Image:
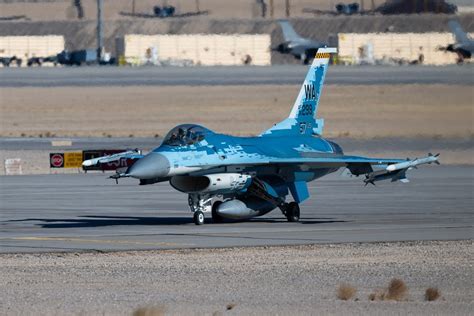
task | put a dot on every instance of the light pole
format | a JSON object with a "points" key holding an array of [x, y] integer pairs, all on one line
{"points": [[100, 30]]}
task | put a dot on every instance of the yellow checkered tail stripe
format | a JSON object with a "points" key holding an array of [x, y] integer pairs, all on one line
{"points": [[323, 55]]}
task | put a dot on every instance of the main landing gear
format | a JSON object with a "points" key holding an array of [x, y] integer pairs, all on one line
{"points": [[291, 211], [205, 203]]}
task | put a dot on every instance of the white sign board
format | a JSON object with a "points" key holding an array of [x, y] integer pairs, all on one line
{"points": [[13, 166]]}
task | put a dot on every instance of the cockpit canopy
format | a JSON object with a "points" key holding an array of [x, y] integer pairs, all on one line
{"points": [[185, 134]]}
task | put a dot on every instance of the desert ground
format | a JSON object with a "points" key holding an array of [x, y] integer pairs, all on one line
{"points": [[420, 112], [253, 281], [361, 112], [263, 280]]}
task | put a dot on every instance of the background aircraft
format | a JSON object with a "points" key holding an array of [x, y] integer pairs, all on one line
{"points": [[242, 177], [302, 48], [464, 46]]}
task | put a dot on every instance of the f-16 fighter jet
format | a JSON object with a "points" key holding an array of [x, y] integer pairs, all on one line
{"points": [[242, 177], [464, 46]]}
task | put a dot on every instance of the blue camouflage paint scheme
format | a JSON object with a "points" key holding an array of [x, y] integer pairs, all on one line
{"points": [[302, 119], [288, 155], [242, 177]]}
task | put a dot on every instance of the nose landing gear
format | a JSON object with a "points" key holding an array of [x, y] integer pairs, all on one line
{"points": [[199, 204]]}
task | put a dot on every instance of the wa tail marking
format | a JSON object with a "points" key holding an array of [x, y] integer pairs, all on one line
{"points": [[309, 92]]}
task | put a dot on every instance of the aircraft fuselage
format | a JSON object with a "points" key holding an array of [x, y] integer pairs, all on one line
{"points": [[224, 153]]}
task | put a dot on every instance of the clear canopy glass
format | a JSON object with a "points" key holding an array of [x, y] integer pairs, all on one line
{"points": [[185, 134]]}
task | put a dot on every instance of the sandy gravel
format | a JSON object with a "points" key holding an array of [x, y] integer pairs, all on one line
{"points": [[349, 111], [269, 280]]}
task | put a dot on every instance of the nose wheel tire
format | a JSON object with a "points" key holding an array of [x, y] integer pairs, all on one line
{"points": [[198, 218], [293, 212]]}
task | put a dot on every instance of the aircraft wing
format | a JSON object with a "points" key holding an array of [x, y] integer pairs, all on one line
{"points": [[338, 160], [324, 162], [393, 169], [355, 164]]}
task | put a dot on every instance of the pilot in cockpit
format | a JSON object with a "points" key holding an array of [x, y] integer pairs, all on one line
{"points": [[181, 134]]}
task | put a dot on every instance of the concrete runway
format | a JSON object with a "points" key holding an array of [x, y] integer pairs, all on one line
{"points": [[90, 212], [286, 74]]}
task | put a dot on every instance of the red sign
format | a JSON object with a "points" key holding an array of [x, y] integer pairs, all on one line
{"points": [[56, 160]]}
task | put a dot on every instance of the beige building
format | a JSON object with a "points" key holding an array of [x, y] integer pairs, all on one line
{"points": [[24, 47], [206, 50], [396, 47]]}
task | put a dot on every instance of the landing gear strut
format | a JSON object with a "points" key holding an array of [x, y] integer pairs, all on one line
{"points": [[291, 211], [199, 204]]}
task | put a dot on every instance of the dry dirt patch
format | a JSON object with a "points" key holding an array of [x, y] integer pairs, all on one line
{"points": [[264, 280], [354, 111]]}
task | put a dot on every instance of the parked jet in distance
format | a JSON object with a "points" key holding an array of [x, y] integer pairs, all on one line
{"points": [[464, 46], [302, 48], [243, 177]]}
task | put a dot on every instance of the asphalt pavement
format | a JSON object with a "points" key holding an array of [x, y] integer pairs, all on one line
{"points": [[237, 75], [91, 213]]}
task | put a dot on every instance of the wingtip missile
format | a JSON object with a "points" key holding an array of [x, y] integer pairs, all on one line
{"points": [[413, 163], [90, 162], [397, 172], [435, 156], [110, 158]]}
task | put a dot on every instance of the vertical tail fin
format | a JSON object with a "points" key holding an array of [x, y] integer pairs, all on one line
{"points": [[459, 34], [310, 91], [289, 33], [302, 118]]}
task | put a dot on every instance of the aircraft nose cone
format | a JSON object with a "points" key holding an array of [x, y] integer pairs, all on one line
{"points": [[153, 165]]}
